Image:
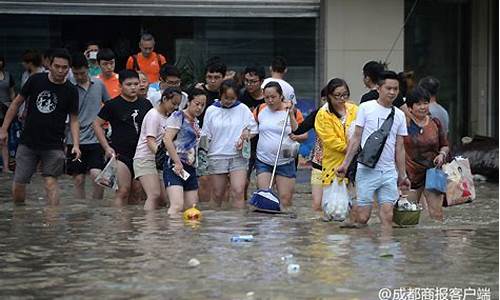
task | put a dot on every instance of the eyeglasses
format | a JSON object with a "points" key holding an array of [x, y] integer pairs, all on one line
{"points": [[341, 96], [173, 82], [252, 82]]}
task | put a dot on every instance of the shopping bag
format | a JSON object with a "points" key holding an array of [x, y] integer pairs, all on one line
{"points": [[460, 185], [107, 177], [435, 180], [335, 201]]}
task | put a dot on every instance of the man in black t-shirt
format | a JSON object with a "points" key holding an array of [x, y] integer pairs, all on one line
{"points": [[215, 72], [214, 76], [50, 98], [252, 96], [125, 114], [371, 74]]}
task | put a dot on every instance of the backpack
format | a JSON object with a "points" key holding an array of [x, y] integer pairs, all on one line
{"points": [[135, 62], [261, 107]]}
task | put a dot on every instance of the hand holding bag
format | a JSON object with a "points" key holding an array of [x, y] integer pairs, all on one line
{"points": [[335, 201], [374, 145], [460, 186], [435, 180], [108, 176]]}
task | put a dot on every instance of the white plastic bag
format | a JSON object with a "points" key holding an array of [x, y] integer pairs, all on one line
{"points": [[289, 148], [335, 201], [108, 177]]}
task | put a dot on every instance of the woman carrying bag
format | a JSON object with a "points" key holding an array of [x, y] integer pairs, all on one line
{"points": [[152, 131], [426, 148], [332, 125], [181, 139]]}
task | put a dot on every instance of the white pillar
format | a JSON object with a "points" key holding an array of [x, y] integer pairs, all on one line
{"points": [[357, 31]]}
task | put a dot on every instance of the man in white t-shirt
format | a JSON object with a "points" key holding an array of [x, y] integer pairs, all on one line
{"points": [[278, 70], [389, 172]]}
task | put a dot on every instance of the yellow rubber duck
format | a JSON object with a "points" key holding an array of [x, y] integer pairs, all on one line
{"points": [[192, 213]]}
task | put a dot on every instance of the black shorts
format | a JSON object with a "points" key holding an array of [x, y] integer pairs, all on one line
{"points": [[128, 159], [92, 158]]}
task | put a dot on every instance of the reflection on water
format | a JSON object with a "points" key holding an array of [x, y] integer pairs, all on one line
{"points": [[91, 250]]}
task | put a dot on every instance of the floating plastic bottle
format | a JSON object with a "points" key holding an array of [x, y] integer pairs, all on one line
{"points": [[293, 268], [242, 238], [288, 257]]}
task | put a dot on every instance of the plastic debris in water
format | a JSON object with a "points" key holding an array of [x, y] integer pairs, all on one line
{"points": [[293, 268], [287, 257], [386, 255], [193, 262], [192, 213], [242, 238]]}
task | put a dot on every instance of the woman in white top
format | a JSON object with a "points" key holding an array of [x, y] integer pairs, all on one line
{"points": [[227, 124], [270, 120], [152, 131]]}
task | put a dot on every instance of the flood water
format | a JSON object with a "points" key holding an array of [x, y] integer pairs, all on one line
{"points": [[86, 249]]}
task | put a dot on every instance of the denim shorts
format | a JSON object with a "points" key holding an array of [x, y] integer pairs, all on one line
{"points": [[371, 182], [286, 170], [170, 178]]}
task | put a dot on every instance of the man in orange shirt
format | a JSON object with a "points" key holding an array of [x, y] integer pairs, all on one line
{"points": [[106, 61], [147, 61]]}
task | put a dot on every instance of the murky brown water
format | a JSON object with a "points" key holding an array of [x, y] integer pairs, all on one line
{"points": [[91, 250]]}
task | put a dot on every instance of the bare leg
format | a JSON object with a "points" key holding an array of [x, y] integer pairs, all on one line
{"points": [[362, 213], [79, 181], [137, 195], [317, 195], [18, 192], [205, 190], [124, 184], [237, 181], [434, 205], [263, 180], [5, 158], [190, 198], [176, 196], [52, 190], [286, 188], [97, 190], [385, 214], [219, 185], [151, 185]]}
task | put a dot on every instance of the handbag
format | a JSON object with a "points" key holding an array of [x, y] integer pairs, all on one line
{"points": [[374, 145], [160, 156], [460, 186], [435, 180]]}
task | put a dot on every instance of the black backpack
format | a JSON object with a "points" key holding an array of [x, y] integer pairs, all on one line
{"points": [[374, 145]]}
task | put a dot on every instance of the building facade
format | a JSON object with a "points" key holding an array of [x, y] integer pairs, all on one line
{"points": [[454, 40]]}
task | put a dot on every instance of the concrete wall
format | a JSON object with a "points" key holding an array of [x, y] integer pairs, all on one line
{"points": [[481, 95], [357, 31]]}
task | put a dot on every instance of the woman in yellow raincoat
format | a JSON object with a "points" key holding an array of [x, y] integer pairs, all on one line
{"points": [[332, 125]]}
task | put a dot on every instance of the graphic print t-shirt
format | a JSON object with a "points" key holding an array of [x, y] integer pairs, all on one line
{"points": [[126, 120], [188, 137], [48, 107]]}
